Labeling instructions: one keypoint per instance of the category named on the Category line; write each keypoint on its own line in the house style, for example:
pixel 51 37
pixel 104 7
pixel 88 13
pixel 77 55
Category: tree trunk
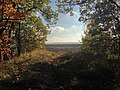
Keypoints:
pixel 18 42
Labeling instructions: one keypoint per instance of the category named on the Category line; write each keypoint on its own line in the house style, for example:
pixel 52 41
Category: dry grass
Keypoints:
pixel 21 63
pixel 46 70
pixel 39 55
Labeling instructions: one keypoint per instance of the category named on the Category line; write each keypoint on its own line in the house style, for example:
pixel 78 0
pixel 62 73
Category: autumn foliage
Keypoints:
pixel 10 15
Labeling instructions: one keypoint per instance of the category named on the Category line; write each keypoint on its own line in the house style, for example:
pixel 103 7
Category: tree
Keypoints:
pixel 98 42
pixel 35 36
pixel 104 13
pixel 14 12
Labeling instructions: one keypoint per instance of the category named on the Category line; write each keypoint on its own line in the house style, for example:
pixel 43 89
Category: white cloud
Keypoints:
pixel 56 29
pixel 61 34
pixel 67 29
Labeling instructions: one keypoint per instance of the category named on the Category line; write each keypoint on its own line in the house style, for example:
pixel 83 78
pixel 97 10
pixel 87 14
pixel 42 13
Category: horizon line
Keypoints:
pixel 62 43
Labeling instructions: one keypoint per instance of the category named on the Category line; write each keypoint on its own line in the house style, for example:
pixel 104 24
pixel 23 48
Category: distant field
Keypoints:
pixel 62 47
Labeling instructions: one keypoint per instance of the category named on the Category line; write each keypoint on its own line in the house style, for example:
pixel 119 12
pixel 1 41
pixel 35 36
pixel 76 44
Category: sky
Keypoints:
pixel 67 29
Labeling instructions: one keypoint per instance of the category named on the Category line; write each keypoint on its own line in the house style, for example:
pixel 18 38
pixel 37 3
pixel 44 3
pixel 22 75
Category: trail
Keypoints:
pixel 54 71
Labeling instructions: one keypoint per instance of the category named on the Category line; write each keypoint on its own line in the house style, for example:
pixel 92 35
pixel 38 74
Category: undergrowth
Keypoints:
pixel 46 70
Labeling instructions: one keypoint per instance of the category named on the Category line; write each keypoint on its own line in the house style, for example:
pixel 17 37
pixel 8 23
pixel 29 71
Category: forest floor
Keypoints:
pixel 51 70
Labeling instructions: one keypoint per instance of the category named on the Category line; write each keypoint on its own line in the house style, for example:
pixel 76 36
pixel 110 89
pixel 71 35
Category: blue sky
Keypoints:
pixel 67 29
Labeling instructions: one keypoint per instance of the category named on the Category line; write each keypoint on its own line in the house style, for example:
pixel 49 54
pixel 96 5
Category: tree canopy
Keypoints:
pixel 105 14
pixel 15 12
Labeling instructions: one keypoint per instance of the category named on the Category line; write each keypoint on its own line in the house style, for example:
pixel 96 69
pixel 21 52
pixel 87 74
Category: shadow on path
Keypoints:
pixel 69 76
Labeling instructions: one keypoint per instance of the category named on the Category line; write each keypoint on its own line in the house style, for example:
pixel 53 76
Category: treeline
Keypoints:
pixel 99 56
pixel 103 25
pixel 22 29
pixel 21 26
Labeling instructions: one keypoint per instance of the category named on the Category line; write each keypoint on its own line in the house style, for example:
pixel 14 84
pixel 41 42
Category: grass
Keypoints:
pixel 25 60
pixel 47 70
